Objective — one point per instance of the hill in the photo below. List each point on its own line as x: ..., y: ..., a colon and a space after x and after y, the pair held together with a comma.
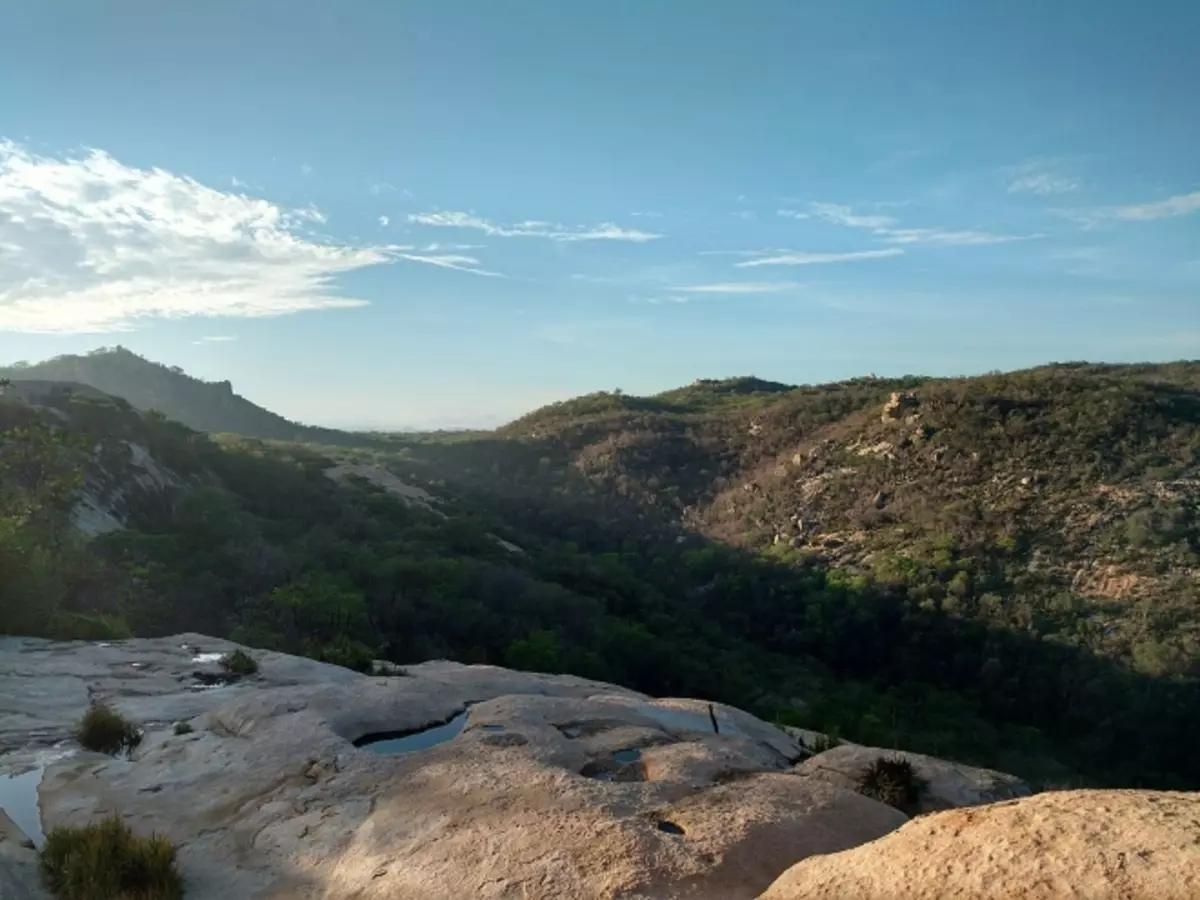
x: 206, y: 406
x: 998, y: 569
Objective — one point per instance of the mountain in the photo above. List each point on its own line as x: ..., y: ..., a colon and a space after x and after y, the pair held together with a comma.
x: 206, y: 406
x: 999, y: 569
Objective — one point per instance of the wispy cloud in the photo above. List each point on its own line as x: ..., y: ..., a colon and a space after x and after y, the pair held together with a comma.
x: 887, y: 229
x: 93, y: 245
x: 952, y: 238
x: 216, y: 339
x: 844, y: 215
x: 646, y: 214
x: 550, y: 230
x: 800, y: 258
x: 1043, y: 184
x: 1179, y: 205
x: 448, y: 261
x: 741, y: 287
x: 791, y: 214
x: 384, y: 221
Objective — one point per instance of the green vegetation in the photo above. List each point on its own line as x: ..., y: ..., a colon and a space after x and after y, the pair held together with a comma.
x: 1007, y: 575
x: 240, y: 663
x: 894, y: 781
x: 182, y: 728
x: 107, y: 861
x: 105, y: 730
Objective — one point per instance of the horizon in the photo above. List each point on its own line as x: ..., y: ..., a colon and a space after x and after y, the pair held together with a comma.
x: 412, y: 217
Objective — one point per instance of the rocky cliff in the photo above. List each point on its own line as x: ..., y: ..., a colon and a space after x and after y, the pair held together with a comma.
x: 527, y: 786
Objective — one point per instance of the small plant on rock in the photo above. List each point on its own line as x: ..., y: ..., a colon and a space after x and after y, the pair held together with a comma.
x: 105, y: 730
x: 107, y: 861
x: 183, y: 728
x: 239, y: 662
x: 894, y: 781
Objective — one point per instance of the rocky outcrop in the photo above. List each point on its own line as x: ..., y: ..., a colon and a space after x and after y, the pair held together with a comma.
x: 898, y: 407
x: 555, y: 787
x: 1083, y: 845
x: 948, y: 785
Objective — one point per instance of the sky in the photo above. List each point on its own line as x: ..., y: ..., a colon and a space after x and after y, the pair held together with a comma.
x: 437, y: 213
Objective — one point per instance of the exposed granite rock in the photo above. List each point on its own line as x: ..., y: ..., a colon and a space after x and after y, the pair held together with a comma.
x: 949, y: 785
x: 1062, y: 845
x: 268, y: 797
x: 19, y: 878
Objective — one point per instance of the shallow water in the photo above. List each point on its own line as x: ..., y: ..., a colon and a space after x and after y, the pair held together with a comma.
x: 400, y: 742
x: 18, y: 797
x: 627, y: 756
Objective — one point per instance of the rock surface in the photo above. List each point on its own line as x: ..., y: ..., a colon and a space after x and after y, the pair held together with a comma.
x: 19, y: 878
x: 270, y: 798
x: 1062, y: 845
x: 949, y: 785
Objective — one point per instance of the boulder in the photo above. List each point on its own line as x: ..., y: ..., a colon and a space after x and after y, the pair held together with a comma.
x: 1061, y: 845
x: 949, y: 785
x: 554, y: 787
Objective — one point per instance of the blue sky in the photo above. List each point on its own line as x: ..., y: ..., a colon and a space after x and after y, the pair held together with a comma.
x: 442, y: 213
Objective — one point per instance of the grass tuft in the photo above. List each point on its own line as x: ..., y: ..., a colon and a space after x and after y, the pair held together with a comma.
x: 105, y: 730
x: 183, y: 728
x: 239, y: 662
x: 894, y: 781
x: 107, y: 861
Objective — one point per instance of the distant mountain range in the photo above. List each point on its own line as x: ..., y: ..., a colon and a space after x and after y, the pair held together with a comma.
x: 209, y: 406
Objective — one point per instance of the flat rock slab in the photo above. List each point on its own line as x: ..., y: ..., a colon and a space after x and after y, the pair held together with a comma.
x: 555, y: 787
x: 1060, y: 845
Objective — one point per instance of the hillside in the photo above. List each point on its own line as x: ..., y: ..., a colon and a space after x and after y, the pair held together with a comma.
x: 206, y: 406
x: 997, y: 569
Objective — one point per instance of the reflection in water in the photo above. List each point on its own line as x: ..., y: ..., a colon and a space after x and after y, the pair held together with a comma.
x: 407, y: 742
x: 18, y: 796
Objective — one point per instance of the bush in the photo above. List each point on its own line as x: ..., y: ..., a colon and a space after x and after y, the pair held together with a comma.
x: 105, y: 730
x: 239, y: 662
x: 107, y: 861
x: 893, y: 781
x: 183, y: 728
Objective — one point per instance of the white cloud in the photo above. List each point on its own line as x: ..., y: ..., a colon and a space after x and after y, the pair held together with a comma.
x: 91, y: 245
x: 799, y: 258
x: 550, y: 230
x: 951, y: 238
x: 886, y: 228
x: 237, y: 182
x: 1043, y: 184
x: 791, y: 214
x: 844, y: 215
x: 1179, y: 205
x: 216, y: 339
x: 742, y: 287
x: 448, y: 261
x: 383, y: 221
x: 646, y: 214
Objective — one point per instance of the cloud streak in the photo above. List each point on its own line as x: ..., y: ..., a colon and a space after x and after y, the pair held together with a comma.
x: 90, y: 245
x: 741, y: 287
x: 532, y: 228
x: 887, y: 229
x: 1179, y: 205
x: 800, y: 258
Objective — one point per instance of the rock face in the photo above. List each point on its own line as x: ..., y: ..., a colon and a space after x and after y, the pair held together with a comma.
x: 948, y: 785
x: 555, y: 787
x: 898, y: 406
x: 1064, y: 845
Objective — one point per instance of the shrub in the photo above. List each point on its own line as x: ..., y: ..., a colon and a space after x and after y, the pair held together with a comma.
x: 183, y: 728
x: 107, y: 861
x: 239, y: 662
x: 893, y: 781
x: 105, y: 730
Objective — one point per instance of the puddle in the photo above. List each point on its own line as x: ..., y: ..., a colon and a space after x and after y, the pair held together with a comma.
x: 627, y: 756
x: 18, y: 797
x: 207, y: 657
x: 493, y: 727
x: 407, y: 742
